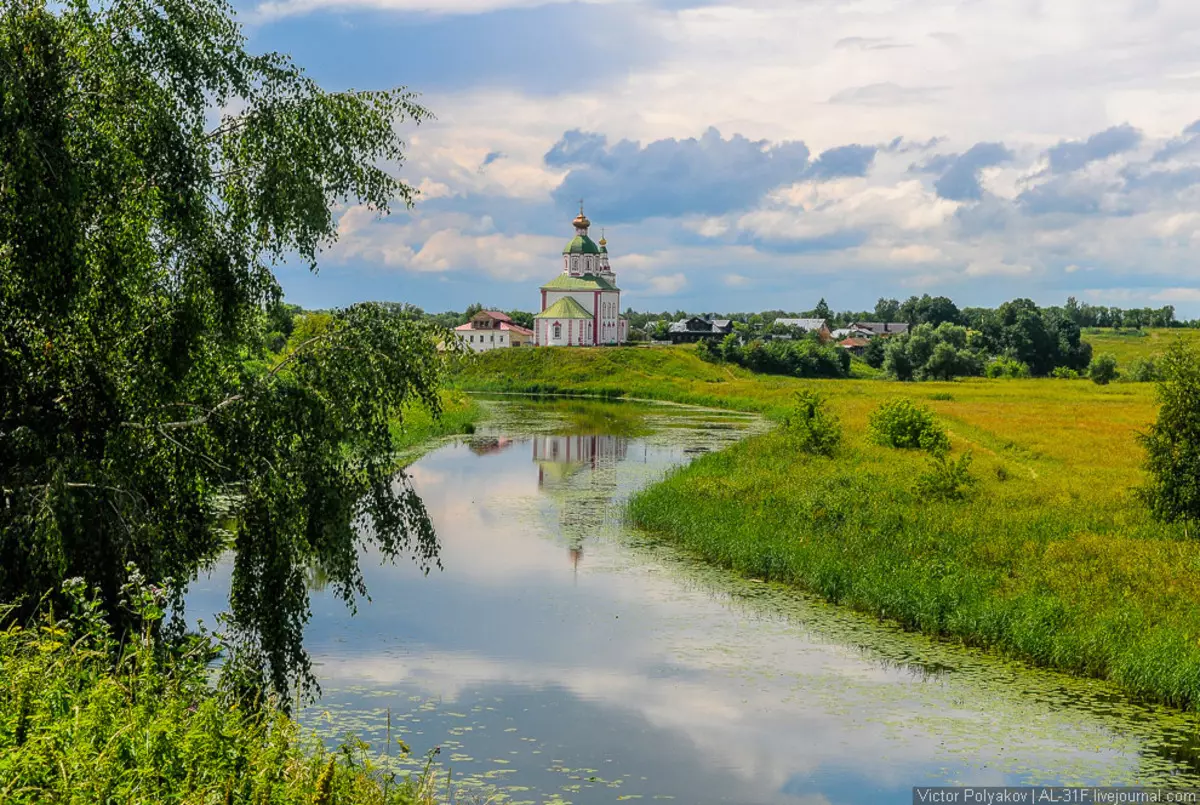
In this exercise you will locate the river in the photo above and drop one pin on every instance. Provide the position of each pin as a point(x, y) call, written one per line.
point(560, 656)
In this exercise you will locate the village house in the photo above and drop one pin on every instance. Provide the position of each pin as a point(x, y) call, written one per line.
point(491, 329)
point(855, 346)
point(881, 327)
point(696, 328)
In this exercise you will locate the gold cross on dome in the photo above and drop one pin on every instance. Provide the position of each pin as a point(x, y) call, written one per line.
point(581, 206)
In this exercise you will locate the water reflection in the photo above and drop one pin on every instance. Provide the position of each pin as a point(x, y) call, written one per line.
point(641, 673)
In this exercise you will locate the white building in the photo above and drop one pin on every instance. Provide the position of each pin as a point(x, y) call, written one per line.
point(582, 305)
point(490, 329)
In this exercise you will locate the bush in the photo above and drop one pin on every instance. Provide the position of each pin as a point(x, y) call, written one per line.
point(1143, 370)
point(1173, 441)
point(904, 424)
point(1063, 373)
point(875, 351)
point(814, 429)
point(946, 479)
point(1008, 367)
point(804, 357)
point(1103, 369)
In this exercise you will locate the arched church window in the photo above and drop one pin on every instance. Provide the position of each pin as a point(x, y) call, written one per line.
point(557, 330)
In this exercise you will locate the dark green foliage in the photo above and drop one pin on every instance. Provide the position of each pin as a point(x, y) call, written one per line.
point(1172, 443)
point(931, 310)
point(932, 353)
point(945, 479)
point(1143, 370)
point(813, 428)
point(801, 357)
point(1007, 367)
point(141, 417)
point(905, 424)
point(1103, 369)
point(874, 352)
point(1042, 339)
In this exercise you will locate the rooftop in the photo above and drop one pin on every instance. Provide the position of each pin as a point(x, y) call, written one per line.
point(586, 282)
point(565, 308)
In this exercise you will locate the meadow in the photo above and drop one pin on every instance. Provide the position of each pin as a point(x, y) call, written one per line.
point(1050, 559)
point(1130, 345)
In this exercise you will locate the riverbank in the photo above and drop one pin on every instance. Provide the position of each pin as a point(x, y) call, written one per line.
point(88, 717)
point(418, 429)
point(152, 727)
point(1050, 559)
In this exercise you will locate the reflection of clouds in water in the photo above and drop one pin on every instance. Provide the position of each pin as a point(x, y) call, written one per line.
point(756, 694)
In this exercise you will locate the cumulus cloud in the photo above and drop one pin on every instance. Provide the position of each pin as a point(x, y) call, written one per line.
point(666, 285)
point(845, 160)
point(626, 181)
point(1071, 156)
point(960, 179)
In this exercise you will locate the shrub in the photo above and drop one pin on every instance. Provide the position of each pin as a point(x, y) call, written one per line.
point(1103, 369)
point(1173, 441)
point(904, 424)
point(1063, 373)
point(1143, 370)
point(1008, 367)
point(814, 429)
point(946, 479)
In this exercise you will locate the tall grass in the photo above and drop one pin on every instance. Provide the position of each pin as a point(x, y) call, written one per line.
point(1039, 562)
point(89, 716)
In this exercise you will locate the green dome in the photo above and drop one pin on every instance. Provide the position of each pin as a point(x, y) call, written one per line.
point(581, 244)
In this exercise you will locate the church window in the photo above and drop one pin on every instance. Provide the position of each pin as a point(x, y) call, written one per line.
point(557, 330)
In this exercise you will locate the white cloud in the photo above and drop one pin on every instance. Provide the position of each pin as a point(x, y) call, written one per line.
point(443, 243)
point(1177, 295)
point(1029, 75)
point(277, 9)
point(665, 285)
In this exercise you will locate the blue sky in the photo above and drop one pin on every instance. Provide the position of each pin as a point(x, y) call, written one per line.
point(752, 154)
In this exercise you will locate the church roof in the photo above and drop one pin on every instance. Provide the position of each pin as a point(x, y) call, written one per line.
point(565, 308)
point(585, 282)
point(581, 244)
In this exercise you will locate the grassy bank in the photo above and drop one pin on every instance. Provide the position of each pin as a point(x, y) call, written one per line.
point(654, 373)
point(88, 717)
point(1128, 347)
point(1050, 559)
point(459, 415)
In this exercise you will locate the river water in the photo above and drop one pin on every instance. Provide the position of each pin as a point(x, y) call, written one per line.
point(560, 656)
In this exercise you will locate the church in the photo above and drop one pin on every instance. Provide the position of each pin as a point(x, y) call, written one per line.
point(582, 305)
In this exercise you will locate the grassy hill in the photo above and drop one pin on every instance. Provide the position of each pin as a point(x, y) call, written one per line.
point(1129, 346)
point(655, 373)
point(1050, 559)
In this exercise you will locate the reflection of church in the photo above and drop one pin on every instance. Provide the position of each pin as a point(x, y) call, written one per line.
point(589, 450)
point(559, 460)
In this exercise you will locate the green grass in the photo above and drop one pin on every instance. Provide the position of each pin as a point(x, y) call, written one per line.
point(417, 427)
point(1141, 344)
point(1050, 559)
point(86, 717)
point(655, 373)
